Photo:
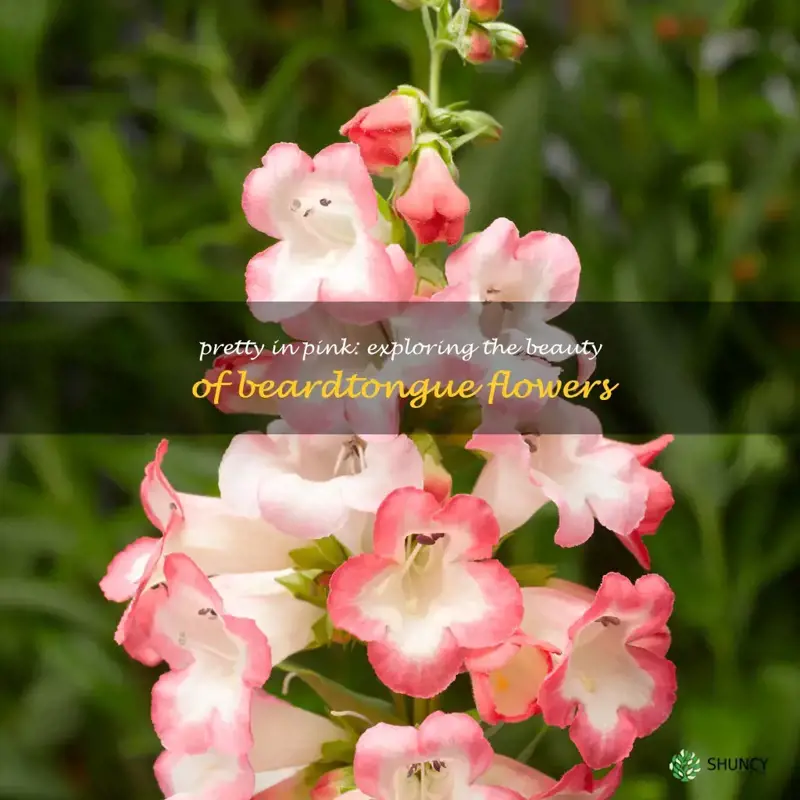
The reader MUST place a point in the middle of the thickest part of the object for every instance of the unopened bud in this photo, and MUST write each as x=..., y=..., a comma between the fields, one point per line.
x=484, y=10
x=476, y=46
x=333, y=784
x=479, y=122
x=509, y=43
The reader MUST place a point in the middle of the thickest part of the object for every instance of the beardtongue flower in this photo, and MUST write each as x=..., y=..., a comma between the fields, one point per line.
x=286, y=740
x=323, y=211
x=429, y=590
x=201, y=527
x=577, y=784
x=216, y=661
x=433, y=205
x=587, y=476
x=311, y=486
x=611, y=683
x=385, y=132
x=444, y=758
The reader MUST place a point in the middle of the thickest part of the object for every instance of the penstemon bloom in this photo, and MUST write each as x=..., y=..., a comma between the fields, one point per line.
x=337, y=529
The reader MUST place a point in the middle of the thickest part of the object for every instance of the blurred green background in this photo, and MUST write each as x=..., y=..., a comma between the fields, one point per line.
x=661, y=137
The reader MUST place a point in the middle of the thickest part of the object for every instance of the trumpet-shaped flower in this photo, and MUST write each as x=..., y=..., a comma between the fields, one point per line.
x=428, y=591
x=312, y=486
x=587, y=476
x=204, y=528
x=286, y=740
x=323, y=211
x=611, y=683
x=444, y=758
x=216, y=661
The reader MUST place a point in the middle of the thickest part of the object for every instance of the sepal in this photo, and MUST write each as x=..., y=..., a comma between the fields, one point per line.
x=303, y=585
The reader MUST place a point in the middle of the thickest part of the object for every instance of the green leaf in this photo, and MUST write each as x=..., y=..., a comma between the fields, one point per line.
x=303, y=585
x=324, y=555
x=338, y=698
x=532, y=574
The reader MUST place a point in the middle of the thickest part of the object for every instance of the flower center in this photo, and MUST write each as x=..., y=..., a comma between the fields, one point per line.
x=324, y=215
x=352, y=458
x=428, y=780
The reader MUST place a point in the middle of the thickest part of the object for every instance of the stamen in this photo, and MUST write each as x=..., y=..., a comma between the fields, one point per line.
x=325, y=202
x=353, y=454
x=295, y=204
x=353, y=714
x=209, y=612
x=425, y=538
x=290, y=676
x=532, y=440
x=307, y=212
x=608, y=620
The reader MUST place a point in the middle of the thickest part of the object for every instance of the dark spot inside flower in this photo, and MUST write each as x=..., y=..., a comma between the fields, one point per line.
x=209, y=612
x=307, y=212
x=412, y=770
x=506, y=306
x=173, y=506
x=606, y=621
x=428, y=538
x=325, y=202
x=295, y=204
x=159, y=585
x=438, y=765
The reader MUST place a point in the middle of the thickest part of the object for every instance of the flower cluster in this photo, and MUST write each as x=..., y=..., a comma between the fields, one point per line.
x=353, y=533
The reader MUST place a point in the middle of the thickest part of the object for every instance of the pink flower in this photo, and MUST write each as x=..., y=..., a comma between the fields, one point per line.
x=323, y=211
x=445, y=757
x=385, y=131
x=286, y=740
x=577, y=784
x=433, y=205
x=202, y=528
x=484, y=10
x=216, y=661
x=506, y=678
x=587, y=476
x=429, y=590
x=310, y=486
x=499, y=265
x=611, y=683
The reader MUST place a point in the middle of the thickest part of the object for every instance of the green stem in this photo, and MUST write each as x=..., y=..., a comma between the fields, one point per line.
x=437, y=54
x=527, y=753
x=400, y=707
x=33, y=175
x=420, y=709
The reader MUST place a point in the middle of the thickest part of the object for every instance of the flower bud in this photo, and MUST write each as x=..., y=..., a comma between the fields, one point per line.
x=385, y=132
x=484, y=10
x=471, y=121
x=509, y=43
x=476, y=46
x=333, y=784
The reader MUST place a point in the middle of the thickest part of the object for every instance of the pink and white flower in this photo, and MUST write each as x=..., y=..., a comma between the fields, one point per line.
x=385, y=131
x=324, y=211
x=577, y=784
x=444, y=758
x=286, y=740
x=203, y=528
x=428, y=591
x=587, y=476
x=611, y=683
x=312, y=486
x=433, y=205
x=285, y=621
x=216, y=661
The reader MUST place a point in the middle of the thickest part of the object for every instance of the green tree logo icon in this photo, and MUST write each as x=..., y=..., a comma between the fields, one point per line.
x=685, y=766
